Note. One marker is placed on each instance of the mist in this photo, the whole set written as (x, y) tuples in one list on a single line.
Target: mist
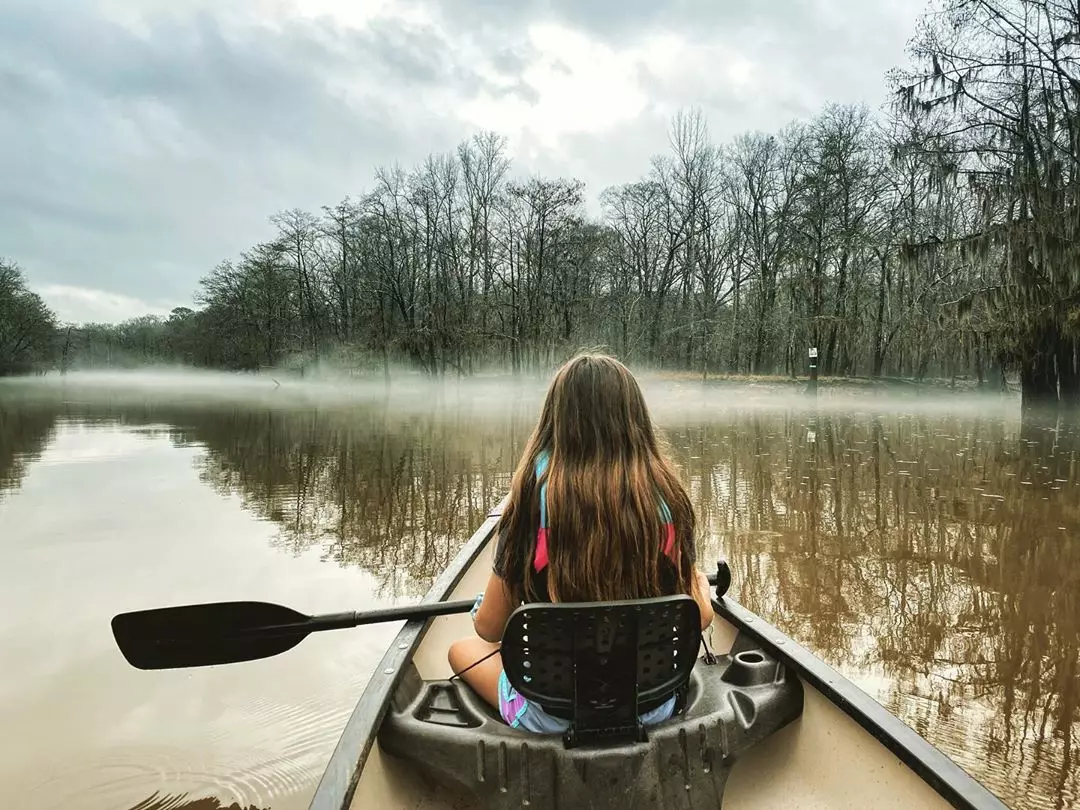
[(673, 397)]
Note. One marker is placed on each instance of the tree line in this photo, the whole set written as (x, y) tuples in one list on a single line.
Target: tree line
[(935, 239), (27, 325)]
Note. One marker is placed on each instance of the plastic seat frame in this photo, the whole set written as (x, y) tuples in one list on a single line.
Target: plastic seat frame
[(601, 665)]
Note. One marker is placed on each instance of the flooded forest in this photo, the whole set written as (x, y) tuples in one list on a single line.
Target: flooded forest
[(933, 237)]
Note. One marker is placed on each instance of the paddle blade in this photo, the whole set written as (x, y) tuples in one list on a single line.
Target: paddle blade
[(204, 635)]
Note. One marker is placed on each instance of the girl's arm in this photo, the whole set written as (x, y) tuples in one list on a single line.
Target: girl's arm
[(495, 610), (702, 597)]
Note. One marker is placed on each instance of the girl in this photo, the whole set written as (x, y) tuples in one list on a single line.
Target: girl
[(595, 513)]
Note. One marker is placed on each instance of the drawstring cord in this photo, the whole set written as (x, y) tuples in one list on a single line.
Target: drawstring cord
[(457, 675), (709, 658), (475, 609)]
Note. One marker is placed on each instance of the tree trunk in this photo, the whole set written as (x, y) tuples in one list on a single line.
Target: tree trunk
[(879, 325), (1068, 370), (832, 362), (979, 361), (766, 302), (1038, 375), (735, 359)]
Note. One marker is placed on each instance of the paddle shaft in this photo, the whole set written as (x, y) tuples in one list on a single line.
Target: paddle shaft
[(427, 610), (333, 621)]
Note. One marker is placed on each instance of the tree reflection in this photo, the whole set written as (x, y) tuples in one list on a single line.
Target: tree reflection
[(24, 434), (396, 496), (939, 557)]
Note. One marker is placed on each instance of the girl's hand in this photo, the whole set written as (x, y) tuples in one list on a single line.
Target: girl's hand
[(476, 606), (703, 598), (703, 583)]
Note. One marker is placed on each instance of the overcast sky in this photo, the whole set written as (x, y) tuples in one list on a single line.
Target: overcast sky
[(143, 141)]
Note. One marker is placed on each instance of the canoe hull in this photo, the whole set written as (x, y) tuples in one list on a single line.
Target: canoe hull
[(843, 751)]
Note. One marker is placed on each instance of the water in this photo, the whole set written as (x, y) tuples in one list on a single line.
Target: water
[(927, 547)]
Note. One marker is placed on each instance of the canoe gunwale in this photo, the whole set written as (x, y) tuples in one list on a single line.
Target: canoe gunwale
[(339, 780), (941, 773)]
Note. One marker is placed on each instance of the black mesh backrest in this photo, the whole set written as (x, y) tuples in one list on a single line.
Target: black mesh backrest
[(601, 664)]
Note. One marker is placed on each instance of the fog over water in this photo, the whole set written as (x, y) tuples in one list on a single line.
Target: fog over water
[(924, 541), (671, 395)]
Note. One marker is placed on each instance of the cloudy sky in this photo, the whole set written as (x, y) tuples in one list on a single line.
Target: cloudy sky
[(143, 141)]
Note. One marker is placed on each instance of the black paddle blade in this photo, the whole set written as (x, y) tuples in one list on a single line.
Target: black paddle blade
[(204, 635)]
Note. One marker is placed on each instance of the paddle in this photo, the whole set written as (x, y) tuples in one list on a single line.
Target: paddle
[(230, 632)]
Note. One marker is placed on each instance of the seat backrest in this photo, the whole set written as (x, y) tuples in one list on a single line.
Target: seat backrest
[(602, 664)]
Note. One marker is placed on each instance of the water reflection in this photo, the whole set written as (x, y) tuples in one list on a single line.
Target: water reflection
[(933, 558), (24, 435), (936, 562), (396, 497)]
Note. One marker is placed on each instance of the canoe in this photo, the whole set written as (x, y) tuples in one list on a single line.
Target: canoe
[(799, 736)]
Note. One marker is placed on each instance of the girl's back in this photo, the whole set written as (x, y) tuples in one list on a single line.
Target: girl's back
[(595, 513)]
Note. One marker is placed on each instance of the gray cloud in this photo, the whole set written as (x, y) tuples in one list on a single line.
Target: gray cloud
[(136, 161), (138, 151), (805, 51), (621, 21)]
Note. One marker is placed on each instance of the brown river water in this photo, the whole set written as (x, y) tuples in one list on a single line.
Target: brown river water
[(928, 546)]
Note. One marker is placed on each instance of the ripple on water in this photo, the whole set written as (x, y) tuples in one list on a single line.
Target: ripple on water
[(285, 749), (1027, 766)]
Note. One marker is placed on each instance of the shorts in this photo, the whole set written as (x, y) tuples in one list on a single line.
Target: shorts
[(519, 713)]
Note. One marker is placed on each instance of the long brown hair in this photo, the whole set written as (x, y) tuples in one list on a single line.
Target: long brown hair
[(605, 479)]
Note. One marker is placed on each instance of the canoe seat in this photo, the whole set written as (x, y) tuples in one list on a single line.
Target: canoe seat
[(599, 666)]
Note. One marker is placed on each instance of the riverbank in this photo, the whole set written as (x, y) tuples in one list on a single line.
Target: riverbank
[(960, 385)]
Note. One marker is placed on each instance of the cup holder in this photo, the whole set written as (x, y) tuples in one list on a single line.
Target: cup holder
[(750, 657), (751, 668)]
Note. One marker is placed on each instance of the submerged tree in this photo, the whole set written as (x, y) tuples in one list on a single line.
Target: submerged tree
[(998, 85)]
